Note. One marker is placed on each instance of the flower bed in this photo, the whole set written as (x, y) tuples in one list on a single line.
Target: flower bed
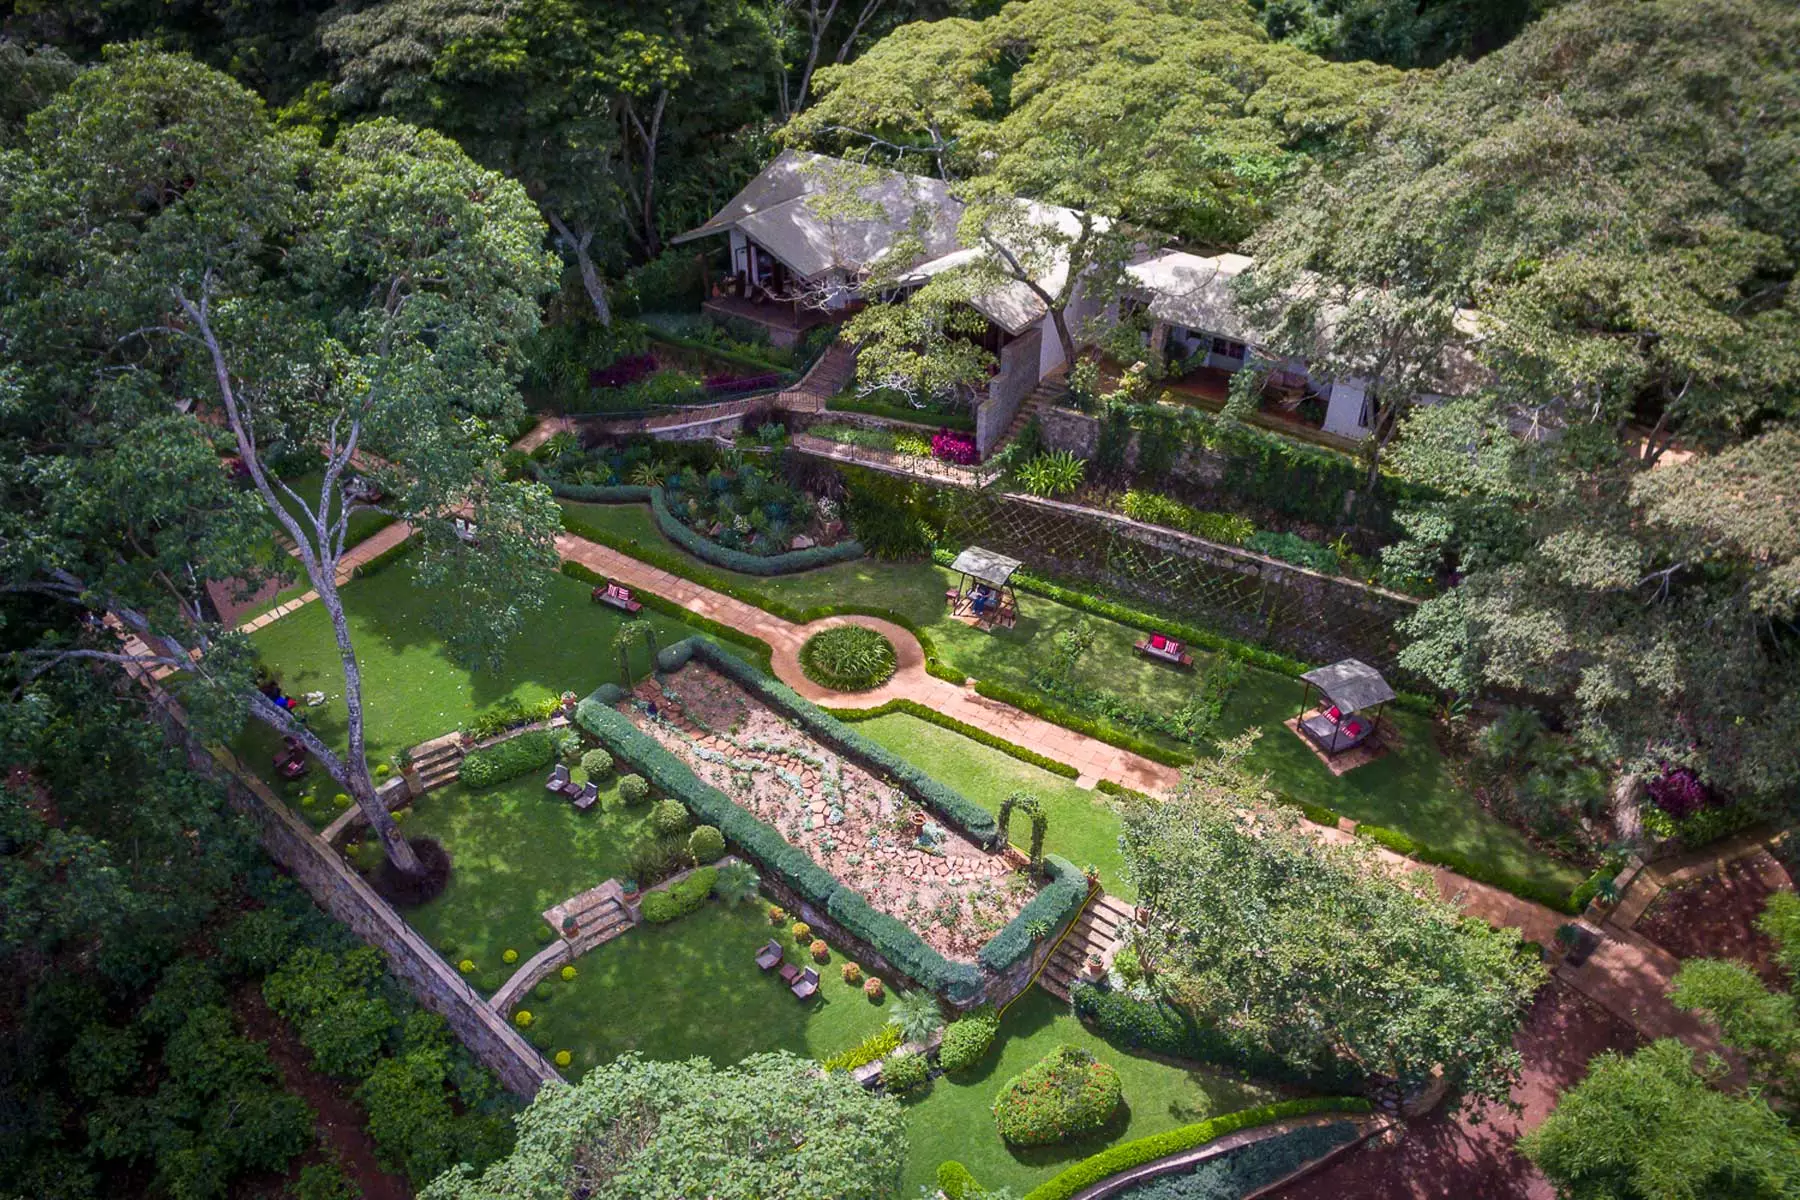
[(953, 447)]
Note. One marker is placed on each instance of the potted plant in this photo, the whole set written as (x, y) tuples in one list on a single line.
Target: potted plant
[(568, 701), (1093, 877), (409, 771), (570, 926), (1096, 966), (631, 890)]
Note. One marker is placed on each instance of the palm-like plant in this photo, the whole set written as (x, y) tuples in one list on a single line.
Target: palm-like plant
[(736, 884), (916, 1015), (648, 474)]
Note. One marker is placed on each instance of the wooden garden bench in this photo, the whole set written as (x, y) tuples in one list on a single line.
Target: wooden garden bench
[(618, 597), (1165, 649)]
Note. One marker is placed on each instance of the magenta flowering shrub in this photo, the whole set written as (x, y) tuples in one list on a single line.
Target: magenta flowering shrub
[(1679, 792), (949, 446), (623, 372)]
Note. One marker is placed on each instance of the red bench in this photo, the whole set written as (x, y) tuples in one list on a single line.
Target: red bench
[(1165, 649), (618, 597)]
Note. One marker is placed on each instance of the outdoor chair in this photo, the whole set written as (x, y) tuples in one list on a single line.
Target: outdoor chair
[(1165, 649), (559, 779), (618, 597), (808, 984), (587, 796), (769, 955)]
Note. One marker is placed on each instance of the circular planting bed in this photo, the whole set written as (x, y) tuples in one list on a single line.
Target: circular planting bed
[(848, 658), (410, 891)]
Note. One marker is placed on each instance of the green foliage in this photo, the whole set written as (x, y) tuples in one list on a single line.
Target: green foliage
[(1033, 702), (669, 818), (634, 789), (879, 1044), (707, 550), (967, 1039), (1482, 872), (597, 763), (663, 1131), (324, 1181), (706, 843), (1269, 928), (529, 751), (1057, 901), (1153, 508), (1780, 920), (328, 999), (1294, 549), (848, 658), (913, 708), (895, 406), (1650, 1125), (1066, 1096), (1194, 722), (680, 898), (737, 883), (955, 1181), (1136, 1153), (507, 714), (916, 1015), (904, 1073), (1056, 473), (755, 646), (408, 1098)]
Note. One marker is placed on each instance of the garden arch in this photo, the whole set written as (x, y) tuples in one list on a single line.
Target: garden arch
[(1027, 803)]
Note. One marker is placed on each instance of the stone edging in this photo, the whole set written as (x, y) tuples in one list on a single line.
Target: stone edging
[(1234, 1140), (528, 976)]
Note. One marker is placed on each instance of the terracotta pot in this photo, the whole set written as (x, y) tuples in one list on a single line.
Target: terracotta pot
[(918, 820)]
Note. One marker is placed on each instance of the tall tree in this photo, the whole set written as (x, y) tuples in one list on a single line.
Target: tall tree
[(1316, 950), (774, 1127), (183, 276)]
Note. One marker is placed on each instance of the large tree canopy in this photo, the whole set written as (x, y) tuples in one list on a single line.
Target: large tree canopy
[(774, 1127), (1316, 950), (184, 280)]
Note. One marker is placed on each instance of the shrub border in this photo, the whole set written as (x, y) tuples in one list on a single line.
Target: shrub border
[(905, 416), (705, 549), (913, 708), (755, 646), (1140, 1151)]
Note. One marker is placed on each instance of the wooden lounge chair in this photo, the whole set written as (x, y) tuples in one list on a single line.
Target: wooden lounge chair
[(1165, 649), (769, 955), (789, 972), (807, 985), (618, 597), (587, 796), (559, 779)]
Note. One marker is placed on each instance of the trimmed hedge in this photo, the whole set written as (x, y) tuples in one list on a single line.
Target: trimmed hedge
[(1163, 1029), (1037, 706), (967, 1039), (680, 898), (701, 547), (687, 616), (1528, 889), (385, 559), (1058, 901), (955, 1181), (1136, 1153), (913, 708), (1250, 1168), (895, 941), (530, 751), (929, 421)]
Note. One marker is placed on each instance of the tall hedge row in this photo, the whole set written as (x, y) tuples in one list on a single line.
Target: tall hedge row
[(1059, 900)]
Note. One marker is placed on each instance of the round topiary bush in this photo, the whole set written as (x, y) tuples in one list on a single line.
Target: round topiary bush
[(564, 1058), (966, 1040), (633, 789), (801, 930), (706, 844), (568, 974), (777, 914), (669, 818), (852, 974), (597, 763), (848, 658), (903, 1073), (542, 991), (509, 955), (873, 989), (820, 951), (523, 1018), (1069, 1094)]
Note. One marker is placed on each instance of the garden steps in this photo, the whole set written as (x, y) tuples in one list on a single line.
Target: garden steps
[(1096, 931), (600, 913), (438, 761), (827, 377), (1051, 390)]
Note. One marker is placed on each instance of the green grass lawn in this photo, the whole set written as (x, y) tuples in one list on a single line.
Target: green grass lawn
[(1082, 826), (692, 988), (362, 524), (412, 691), (955, 1118), (516, 850), (1411, 789)]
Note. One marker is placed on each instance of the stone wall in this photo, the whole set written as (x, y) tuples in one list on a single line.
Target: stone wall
[(348, 897), (1007, 390)]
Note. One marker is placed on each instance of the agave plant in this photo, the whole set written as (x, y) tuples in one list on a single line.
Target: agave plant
[(647, 474), (916, 1015), (1054, 474)]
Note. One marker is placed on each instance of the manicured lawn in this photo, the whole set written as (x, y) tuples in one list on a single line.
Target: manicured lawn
[(412, 691), (1411, 789), (955, 1118), (516, 850), (362, 523), (1082, 826), (692, 987)]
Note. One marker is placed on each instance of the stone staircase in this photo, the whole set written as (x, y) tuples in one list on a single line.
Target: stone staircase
[(826, 378), (438, 761), (1051, 390), (600, 913), (1096, 931)]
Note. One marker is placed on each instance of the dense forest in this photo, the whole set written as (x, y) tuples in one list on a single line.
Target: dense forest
[(1588, 211)]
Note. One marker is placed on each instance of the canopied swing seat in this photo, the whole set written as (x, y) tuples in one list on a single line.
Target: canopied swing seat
[(983, 595), (1349, 713)]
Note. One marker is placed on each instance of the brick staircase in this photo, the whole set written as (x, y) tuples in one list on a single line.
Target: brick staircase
[(600, 915), (1096, 932), (438, 760), (827, 377), (1050, 391)]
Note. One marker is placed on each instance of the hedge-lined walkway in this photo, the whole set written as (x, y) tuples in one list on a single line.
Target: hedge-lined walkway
[(1629, 983)]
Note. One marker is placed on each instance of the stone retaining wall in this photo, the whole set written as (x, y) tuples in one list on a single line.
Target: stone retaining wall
[(344, 894)]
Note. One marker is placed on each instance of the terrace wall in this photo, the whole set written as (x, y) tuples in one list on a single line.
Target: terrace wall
[(344, 894)]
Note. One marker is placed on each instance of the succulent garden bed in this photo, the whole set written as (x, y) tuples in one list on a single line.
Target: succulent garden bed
[(952, 892), (752, 510)]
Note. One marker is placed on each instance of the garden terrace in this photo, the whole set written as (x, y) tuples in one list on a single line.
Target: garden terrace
[(954, 893)]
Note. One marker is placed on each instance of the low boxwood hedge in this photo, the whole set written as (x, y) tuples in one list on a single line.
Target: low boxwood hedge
[(967, 1039), (1528, 889), (1035, 704), (913, 708), (680, 898), (895, 940), (701, 547), (1060, 899), (753, 645), (1127, 1155), (1161, 1028), (955, 1181), (530, 751)]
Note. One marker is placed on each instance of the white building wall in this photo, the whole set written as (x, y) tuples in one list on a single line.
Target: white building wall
[(1349, 408)]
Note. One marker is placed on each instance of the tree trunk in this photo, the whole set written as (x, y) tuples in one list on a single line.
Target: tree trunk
[(356, 763), (1059, 320), (590, 276)]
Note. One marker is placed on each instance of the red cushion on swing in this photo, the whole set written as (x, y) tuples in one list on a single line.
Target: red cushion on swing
[(1333, 713), (1158, 641), (1353, 728)]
